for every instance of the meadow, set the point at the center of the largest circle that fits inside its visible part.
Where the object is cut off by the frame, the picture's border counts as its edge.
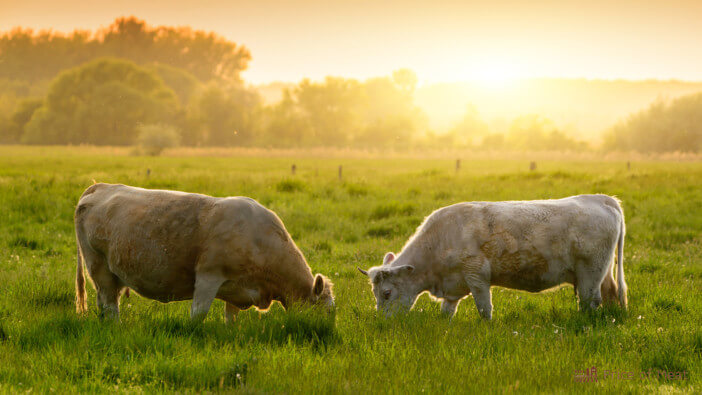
(535, 342)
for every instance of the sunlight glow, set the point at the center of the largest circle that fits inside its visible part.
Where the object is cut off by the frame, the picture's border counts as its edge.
(492, 73)
(495, 74)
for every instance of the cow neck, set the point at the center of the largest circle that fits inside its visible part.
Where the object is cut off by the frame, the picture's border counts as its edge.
(295, 285)
(420, 254)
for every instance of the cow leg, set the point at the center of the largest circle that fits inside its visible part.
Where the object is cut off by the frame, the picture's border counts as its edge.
(589, 282)
(206, 287)
(477, 277)
(609, 288)
(230, 312)
(448, 307)
(107, 286)
(108, 296)
(483, 299)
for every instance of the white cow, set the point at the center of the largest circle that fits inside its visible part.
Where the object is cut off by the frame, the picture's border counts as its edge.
(170, 246)
(529, 245)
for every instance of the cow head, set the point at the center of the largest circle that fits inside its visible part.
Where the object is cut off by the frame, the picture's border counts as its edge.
(322, 293)
(393, 286)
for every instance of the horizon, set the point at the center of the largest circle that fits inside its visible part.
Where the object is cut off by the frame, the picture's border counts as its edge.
(421, 83)
(450, 42)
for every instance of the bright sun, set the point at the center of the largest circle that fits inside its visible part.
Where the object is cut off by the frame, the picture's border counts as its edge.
(494, 74)
(490, 73)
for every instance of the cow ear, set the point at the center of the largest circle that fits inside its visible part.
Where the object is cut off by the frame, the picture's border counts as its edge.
(389, 257)
(318, 285)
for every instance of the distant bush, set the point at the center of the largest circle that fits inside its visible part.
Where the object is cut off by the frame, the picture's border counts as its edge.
(154, 138)
(290, 186)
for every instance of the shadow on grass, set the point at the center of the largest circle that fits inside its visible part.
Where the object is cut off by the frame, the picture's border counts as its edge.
(667, 304)
(55, 330)
(51, 297)
(675, 354)
(413, 321)
(667, 357)
(298, 326)
(175, 375)
(577, 321)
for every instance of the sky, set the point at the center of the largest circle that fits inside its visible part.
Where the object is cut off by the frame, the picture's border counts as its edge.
(442, 41)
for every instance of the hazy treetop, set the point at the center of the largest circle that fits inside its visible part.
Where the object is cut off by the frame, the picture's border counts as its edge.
(39, 55)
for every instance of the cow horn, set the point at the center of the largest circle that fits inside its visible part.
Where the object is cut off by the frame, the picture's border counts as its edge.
(362, 271)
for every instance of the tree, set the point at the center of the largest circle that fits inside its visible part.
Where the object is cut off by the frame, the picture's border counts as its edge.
(391, 118)
(205, 55)
(101, 102)
(534, 132)
(184, 84)
(14, 127)
(662, 127)
(470, 129)
(406, 79)
(286, 126)
(332, 108)
(342, 112)
(38, 56)
(225, 116)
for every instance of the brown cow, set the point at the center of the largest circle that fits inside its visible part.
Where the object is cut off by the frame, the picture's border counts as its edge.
(170, 246)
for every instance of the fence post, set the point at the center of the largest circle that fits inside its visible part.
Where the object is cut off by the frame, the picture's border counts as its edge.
(339, 172)
(532, 166)
(293, 168)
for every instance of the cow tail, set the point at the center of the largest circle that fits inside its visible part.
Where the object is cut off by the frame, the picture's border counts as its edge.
(81, 305)
(620, 263)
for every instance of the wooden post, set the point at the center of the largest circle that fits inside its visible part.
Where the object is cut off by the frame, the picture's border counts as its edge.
(339, 172)
(293, 168)
(458, 165)
(532, 166)
(148, 172)
(628, 165)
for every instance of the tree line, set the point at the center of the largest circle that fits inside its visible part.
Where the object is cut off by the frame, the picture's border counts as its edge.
(131, 83)
(662, 127)
(107, 101)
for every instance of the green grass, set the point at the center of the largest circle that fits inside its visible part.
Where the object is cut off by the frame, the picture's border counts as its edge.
(534, 343)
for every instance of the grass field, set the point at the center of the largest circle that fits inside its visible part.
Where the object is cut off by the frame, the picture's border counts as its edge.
(534, 343)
